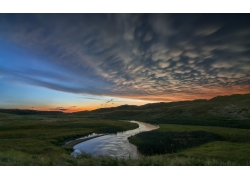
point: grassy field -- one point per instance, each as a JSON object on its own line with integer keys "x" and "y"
{"x": 200, "y": 132}
{"x": 199, "y": 142}
{"x": 37, "y": 139}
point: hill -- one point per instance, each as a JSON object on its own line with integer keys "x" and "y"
{"x": 228, "y": 111}
{"x": 199, "y": 132}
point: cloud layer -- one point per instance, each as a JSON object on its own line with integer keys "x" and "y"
{"x": 144, "y": 56}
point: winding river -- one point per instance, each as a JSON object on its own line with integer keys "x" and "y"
{"x": 115, "y": 145}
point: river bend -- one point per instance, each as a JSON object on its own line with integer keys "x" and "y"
{"x": 115, "y": 145}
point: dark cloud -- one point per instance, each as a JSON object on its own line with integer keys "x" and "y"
{"x": 59, "y": 109}
{"x": 134, "y": 54}
{"x": 109, "y": 101}
{"x": 92, "y": 98}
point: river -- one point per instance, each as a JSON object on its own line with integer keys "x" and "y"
{"x": 115, "y": 145}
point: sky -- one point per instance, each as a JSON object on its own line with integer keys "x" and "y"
{"x": 74, "y": 62}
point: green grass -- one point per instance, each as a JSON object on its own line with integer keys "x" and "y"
{"x": 159, "y": 160}
{"x": 231, "y": 144}
{"x": 151, "y": 143}
{"x": 223, "y": 111}
{"x": 199, "y": 132}
{"x": 227, "y": 134}
{"x": 37, "y": 139}
{"x": 222, "y": 150}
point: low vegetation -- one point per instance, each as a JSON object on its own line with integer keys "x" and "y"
{"x": 200, "y": 132}
{"x": 38, "y": 139}
{"x": 152, "y": 143}
{"x": 198, "y": 142}
{"x": 224, "y": 111}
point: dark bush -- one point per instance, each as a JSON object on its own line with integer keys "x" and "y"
{"x": 152, "y": 143}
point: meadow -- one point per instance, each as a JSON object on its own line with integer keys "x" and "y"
{"x": 224, "y": 145}
{"x": 38, "y": 139}
{"x": 200, "y": 132}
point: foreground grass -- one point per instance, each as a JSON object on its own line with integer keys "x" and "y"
{"x": 14, "y": 158}
{"x": 38, "y": 139}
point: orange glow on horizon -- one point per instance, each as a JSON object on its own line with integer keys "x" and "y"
{"x": 204, "y": 94}
{"x": 84, "y": 108}
{"x": 163, "y": 98}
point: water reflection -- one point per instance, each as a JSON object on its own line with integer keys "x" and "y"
{"x": 115, "y": 145}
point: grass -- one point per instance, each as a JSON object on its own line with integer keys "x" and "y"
{"x": 37, "y": 139}
{"x": 33, "y": 140}
{"x": 200, "y": 132}
{"x": 16, "y": 158}
{"x": 223, "y": 111}
{"x": 238, "y": 153}
{"x": 158, "y": 160}
{"x": 229, "y": 144}
{"x": 170, "y": 142}
{"x": 227, "y": 134}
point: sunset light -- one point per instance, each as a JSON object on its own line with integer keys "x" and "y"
{"x": 131, "y": 58}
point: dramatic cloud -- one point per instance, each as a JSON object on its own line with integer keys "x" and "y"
{"x": 142, "y": 56}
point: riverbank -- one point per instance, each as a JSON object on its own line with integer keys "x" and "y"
{"x": 38, "y": 139}
{"x": 72, "y": 143}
